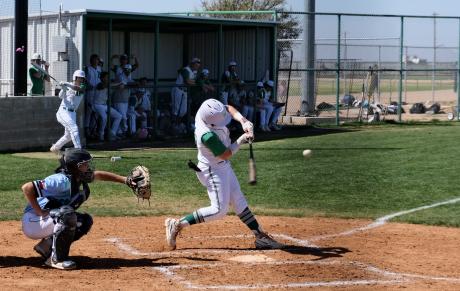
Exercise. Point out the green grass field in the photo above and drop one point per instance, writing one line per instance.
(361, 172)
(327, 86)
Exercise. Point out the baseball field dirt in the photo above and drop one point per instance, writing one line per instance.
(321, 254)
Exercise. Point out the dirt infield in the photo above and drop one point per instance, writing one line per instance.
(129, 254)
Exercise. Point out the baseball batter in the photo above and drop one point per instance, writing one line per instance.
(214, 171)
(71, 95)
(50, 214)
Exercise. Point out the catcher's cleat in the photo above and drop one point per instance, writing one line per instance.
(264, 241)
(64, 265)
(172, 230)
(43, 248)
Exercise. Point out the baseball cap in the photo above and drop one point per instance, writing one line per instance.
(232, 63)
(260, 84)
(124, 56)
(196, 60)
(270, 83)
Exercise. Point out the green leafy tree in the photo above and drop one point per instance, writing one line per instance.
(288, 27)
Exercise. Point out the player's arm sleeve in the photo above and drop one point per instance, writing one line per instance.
(212, 142)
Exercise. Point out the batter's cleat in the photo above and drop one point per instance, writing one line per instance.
(172, 230)
(265, 241)
(55, 150)
(43, 248)
(64, 265)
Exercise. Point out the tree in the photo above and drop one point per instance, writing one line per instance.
(288, 27)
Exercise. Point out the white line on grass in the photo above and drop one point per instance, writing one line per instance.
(383, 220)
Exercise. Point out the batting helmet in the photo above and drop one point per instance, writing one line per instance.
(79, 73)
(36, 56)
(214, 113)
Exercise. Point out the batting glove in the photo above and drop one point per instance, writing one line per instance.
(245, 138)
(248, 127)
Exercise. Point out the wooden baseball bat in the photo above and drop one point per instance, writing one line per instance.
(252, 167)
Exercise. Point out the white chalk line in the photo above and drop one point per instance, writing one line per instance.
(383, 220)
(394, 278)
(397, 277)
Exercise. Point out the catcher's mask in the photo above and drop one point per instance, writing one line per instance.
(78, 162)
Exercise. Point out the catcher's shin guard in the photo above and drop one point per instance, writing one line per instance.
(64, 232)
(172, 230)
(264, 241)
(84, 224)
(43, 248)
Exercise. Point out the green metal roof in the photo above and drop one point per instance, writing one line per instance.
(167, 17)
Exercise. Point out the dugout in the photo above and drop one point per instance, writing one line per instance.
(162, 43)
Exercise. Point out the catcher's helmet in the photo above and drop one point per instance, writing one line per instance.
(214, 113)
(73, 158)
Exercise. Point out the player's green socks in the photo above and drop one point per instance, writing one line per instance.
(192, 218)
(248, 218)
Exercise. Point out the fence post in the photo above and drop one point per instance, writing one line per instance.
(337, 89)
(401, 68)
(458, 72)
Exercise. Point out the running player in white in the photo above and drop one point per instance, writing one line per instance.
(71, 95)
(214, 171)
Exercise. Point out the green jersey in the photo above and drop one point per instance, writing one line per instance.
(38, 86)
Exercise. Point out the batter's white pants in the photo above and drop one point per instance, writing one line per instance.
(122, 108)
(248, 112)
(178, 102)
(37, 227)
(115, 116)
(223, 190)
(68, 119)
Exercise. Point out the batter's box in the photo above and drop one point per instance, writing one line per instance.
(277, 274)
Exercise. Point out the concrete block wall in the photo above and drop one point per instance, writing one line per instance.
(29, 123)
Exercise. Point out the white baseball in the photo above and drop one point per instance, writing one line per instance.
(306, 153)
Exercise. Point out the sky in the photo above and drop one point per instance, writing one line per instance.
(409, 7)
(417, 32)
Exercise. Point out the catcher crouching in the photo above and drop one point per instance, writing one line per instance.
(51, 214)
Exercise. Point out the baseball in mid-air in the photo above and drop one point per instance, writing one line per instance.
(306, 153)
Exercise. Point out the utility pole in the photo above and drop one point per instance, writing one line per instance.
(433, 73)
(308, 88)
(20, 41)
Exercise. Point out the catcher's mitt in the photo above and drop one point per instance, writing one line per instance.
(139, 181)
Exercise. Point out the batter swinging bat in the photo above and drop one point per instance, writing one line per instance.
(43, 71)
(252, 166)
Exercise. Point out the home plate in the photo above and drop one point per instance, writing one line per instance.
(252, 259)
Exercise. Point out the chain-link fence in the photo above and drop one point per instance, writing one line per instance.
(373, 67)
